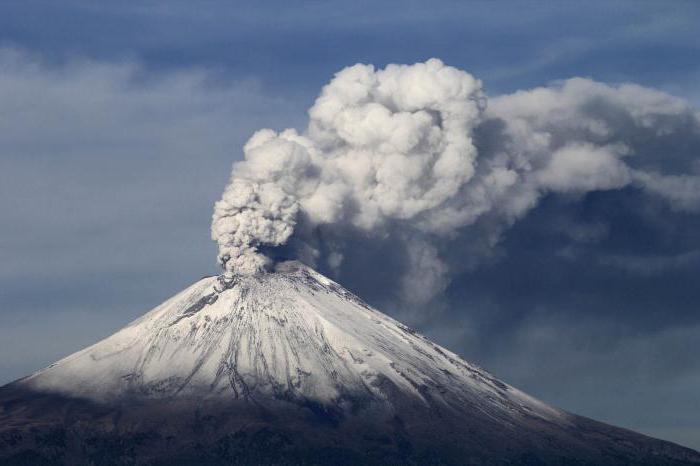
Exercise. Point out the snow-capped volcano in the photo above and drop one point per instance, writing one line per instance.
(293, 335)
(288, 367)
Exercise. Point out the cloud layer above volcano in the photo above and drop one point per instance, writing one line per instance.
(417, 158)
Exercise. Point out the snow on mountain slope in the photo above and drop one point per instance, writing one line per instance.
(288, 367)
(292, 335)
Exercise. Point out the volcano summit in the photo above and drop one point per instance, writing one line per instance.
(287, 367)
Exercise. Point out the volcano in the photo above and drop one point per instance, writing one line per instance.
(288, 367)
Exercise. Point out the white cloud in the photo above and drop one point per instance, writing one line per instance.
(584, 168)
(396, 149)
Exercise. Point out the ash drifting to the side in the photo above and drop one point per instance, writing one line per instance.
(417, 153)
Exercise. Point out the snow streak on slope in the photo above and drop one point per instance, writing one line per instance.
(292, 335)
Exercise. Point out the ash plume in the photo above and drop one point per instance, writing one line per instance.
(412, 164)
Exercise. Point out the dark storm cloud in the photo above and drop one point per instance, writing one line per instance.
(598, 315)
(582, 145)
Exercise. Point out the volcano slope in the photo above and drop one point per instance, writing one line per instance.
(288, 367)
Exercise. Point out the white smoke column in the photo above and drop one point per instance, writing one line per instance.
(395, 151)
(249, 215)
(387, 144)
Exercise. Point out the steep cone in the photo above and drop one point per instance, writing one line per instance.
(290, 368)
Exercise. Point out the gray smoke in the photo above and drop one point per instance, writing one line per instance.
(398, 163)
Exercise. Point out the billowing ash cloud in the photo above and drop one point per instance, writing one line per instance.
(412, 168)
(388, 145)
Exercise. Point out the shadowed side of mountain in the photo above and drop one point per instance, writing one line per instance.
(43, 428)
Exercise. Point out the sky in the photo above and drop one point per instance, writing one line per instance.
(119, 125)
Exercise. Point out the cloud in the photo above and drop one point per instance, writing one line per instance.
(682, 191)
(583, 168)
(381, 146)
(606, 370)
(99, 161)
(654, 264)
(418, 154)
